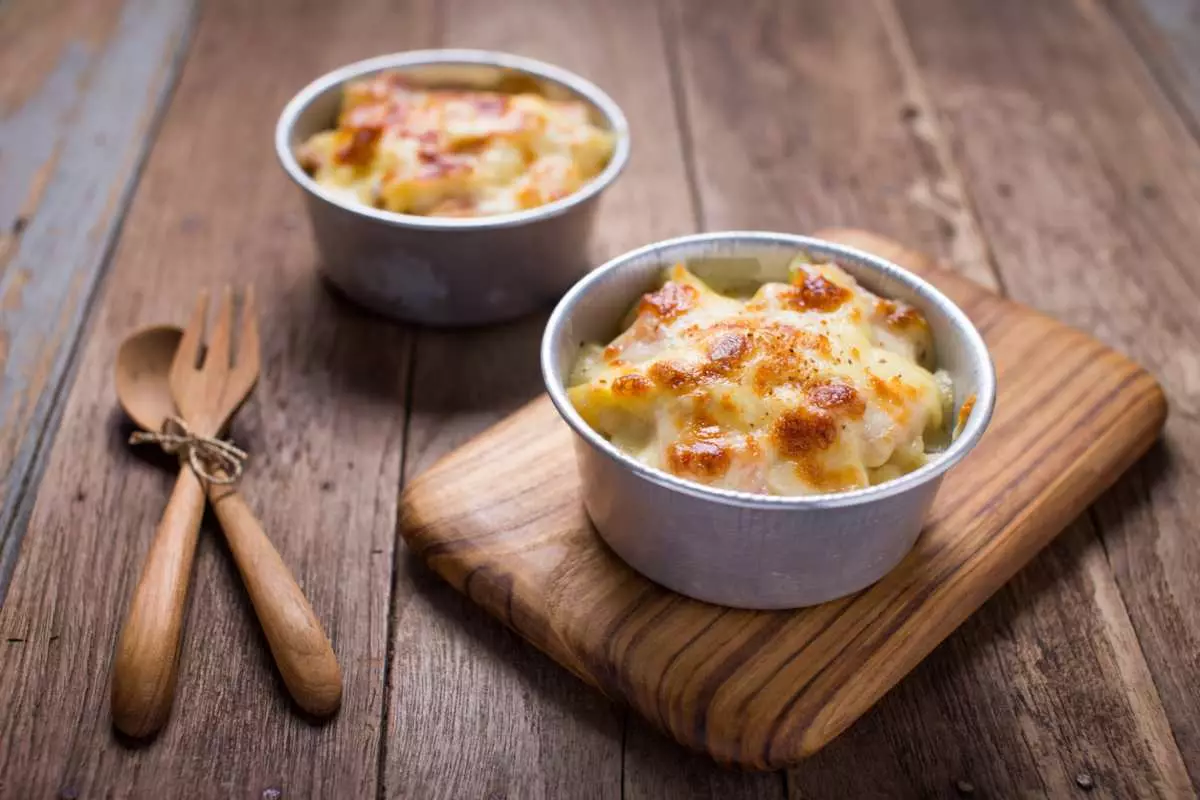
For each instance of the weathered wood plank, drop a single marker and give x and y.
(822, 114)
(495, 699)
(325, 429)
(1167, 34)
(803, 118)
(1087, 185)
(1017, 686)
(80, 87)
(657, 768)
(1060, 634)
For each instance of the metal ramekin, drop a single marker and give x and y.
(735, 548)
(450, 271)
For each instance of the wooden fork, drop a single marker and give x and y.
(207, 393)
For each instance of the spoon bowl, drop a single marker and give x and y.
(143, 364)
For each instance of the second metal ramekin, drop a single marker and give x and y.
(440, 270)
(735, 548)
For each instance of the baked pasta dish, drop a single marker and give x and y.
(815, 385)
(454, 153)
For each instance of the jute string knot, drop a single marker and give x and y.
(214, 460)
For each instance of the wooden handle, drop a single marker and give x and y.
(301, 649)
(147, 655)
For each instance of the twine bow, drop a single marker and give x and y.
(214, 460)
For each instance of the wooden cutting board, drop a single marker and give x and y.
(501, 519)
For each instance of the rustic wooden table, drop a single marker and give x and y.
(1046, 148)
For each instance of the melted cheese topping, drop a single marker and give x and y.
(813, 386)
(452, 153)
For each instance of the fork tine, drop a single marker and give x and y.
(193, 336)
(220, 342)
(246, 359)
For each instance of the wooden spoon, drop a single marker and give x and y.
(144, 673)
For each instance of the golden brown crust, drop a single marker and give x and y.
(698, 458)
(360, 149)
(967, 407)
(752, 395)
(826, 479)
(673, 376)
(815, 293)
(801, 431)
(963, 413)
(787, 358)
(728, 349)
(669, 302)
(838, 397)
(632, 385)
(700, 451)
(454, 152)
(900, 316)
(893, 391)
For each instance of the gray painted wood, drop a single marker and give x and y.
(325, 432)
(86, 80)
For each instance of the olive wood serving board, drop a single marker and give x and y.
(500, 519)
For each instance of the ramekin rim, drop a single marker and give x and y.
(574, 82)
(977, 421)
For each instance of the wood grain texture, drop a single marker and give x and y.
(1012, 704)
(1033, 124)
(657, 768)
(1167, 35)
(1091, 214)
(859, 68)
(802, 116)
(325, 430)
(848, 90)
(758, 689)
(146, 660)
(302, 652)
(81, 82)
(474, 711)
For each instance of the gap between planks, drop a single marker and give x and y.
(1117, 625)
(1143, 693)
(397, 547)
(141, 58)
(1169, 48)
